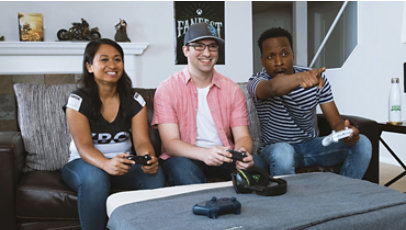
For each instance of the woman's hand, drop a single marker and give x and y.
(118, 165)
(152, 166)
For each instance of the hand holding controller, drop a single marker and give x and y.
(236, 155)
(139, 159)
(336, 136)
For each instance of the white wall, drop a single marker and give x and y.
(361, 87)
(151, 22)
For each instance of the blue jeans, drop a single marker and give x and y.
(93, 187)
(283, 158)
(181, 170)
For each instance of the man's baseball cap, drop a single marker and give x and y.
(201, 31)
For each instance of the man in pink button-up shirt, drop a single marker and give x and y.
(200, 114)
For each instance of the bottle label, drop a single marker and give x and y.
(395, 108)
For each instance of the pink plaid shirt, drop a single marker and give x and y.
(176, 102)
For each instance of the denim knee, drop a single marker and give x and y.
(365, 148)
(181, 170)
(156, 180)
(280, 157)
(78, 173)
(259, 162)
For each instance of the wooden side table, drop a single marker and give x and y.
(401, 129)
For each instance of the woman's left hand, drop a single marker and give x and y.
(152, 166)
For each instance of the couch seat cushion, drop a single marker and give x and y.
(44, 196)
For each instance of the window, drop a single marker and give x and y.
(309, 23)
(343, 38)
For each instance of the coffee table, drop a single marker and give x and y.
(401, 129)
(317, 200)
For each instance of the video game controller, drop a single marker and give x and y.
(236, 155)
(139, 159)
(215, 207)
(336, 136)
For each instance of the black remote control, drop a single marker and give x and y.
(236, 155)
(140, 159)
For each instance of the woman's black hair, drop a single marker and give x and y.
(89, 85)
(273, 33)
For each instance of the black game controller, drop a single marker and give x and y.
(215, 207)
(139, 159)
(236, 155)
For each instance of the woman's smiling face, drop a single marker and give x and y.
(107, 66)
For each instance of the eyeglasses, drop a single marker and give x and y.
(202, 47)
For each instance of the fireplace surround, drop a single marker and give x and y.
(25, 58)
(46, 63)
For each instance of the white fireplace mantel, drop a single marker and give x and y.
(23, 58)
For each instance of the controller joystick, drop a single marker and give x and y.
(336, 136)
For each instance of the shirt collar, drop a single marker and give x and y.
(216, 81)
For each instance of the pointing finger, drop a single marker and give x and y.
(322, 69)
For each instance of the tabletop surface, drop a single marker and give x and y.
(317, 200)
(393, 128)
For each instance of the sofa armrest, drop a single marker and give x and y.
(11, 163)
(370, 129)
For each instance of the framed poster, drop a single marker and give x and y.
(191, 12)
(30, 27)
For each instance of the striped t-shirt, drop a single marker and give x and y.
(289, 118)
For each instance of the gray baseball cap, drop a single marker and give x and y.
(201, 31)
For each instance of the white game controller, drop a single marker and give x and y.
(336, 136)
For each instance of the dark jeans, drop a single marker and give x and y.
(181, 170)
(93, 187)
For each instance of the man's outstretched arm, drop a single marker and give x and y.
(283, 84)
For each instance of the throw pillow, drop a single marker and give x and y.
(43, 125)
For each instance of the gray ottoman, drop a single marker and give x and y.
(313, 201)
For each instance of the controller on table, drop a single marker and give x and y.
(139, 159)
(217, 206)
(336, 136)
(236, 155)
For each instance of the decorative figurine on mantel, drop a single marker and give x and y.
(121, 31)
(80, 31)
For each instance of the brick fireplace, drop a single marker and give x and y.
(46, 63)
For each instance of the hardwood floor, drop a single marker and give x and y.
(387, 172)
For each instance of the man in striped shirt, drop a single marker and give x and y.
(286, 97)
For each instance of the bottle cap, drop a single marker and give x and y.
(395, 80)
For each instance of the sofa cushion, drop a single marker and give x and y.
(254, 125)
(42, 123)
(44, 196)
